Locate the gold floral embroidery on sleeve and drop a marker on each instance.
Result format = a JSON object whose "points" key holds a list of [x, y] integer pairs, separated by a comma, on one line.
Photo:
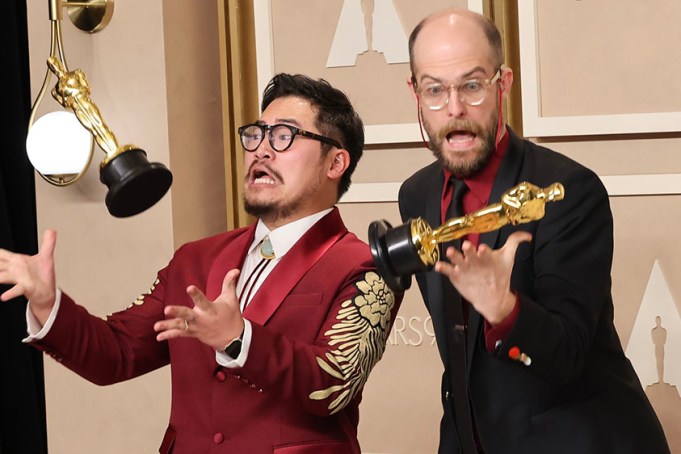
{"points": [[140, 299], [359, 339]]}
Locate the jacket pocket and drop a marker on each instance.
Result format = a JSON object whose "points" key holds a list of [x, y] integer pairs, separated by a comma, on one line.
{"points": [[318, 447]]}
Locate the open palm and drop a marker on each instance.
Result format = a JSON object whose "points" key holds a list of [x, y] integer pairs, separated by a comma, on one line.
{"points": [[32, 275]]}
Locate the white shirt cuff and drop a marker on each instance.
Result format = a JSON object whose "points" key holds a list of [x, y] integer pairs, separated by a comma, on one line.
{"points": [[33, 327], [227, 361]]}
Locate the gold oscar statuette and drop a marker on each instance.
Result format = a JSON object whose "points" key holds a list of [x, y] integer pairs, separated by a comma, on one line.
{"points": [[134, 183], [413, 247]]}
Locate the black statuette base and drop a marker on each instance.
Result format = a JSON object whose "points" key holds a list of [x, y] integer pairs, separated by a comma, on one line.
{"points": [[395, 255], [134, 183]]}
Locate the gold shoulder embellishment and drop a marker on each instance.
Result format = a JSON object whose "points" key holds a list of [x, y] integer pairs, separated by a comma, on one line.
{"points": [[140, 299], [359, 339]]}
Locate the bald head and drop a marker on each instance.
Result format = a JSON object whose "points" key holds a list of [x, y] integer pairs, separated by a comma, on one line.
{"points": [[455, 24]]}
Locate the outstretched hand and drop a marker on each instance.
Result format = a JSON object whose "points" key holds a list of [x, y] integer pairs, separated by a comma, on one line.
{"points": [[32, 275], [483, 276], [215, 323]]}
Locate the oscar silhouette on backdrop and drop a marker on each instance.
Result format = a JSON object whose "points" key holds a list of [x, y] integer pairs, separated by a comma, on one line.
{"points": [[665, 396], [382, 35], [659, 335]]}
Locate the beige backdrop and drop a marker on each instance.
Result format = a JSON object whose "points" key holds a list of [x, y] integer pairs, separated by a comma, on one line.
{"points": [[155, 76]]}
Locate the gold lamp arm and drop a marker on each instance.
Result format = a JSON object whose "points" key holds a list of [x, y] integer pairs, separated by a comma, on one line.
{"points": [[90, 16], [56, 52], [134, 184]]}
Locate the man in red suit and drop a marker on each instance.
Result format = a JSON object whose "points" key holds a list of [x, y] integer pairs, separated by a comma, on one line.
{"points": [[270, 330]]}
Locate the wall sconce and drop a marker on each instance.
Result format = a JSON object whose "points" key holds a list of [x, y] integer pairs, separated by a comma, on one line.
{"points": [[58, 146]]}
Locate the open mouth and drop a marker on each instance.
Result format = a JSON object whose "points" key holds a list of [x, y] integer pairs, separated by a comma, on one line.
{"points": [[460, 138], [263, 175]]}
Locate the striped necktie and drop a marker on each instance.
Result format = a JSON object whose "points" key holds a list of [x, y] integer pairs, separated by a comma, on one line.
{"points": [[266, 255]]}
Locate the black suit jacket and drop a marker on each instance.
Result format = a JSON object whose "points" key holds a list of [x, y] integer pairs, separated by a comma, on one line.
{"points": [[580, 394]]}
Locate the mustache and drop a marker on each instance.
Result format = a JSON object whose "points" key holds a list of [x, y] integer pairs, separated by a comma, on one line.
{"points": [[457, 125], [276, 175]]}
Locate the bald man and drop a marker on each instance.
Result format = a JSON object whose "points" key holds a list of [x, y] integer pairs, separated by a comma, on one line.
{"points": [[523, 315]]}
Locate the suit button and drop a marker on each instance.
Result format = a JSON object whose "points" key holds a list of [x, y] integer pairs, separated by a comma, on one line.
{"points": [[218, 438], [446, 395], [220, 376]]}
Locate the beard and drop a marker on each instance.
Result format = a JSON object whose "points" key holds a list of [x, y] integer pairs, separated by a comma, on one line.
{"points": [[270, 210], [482, 154], [274, 210]]}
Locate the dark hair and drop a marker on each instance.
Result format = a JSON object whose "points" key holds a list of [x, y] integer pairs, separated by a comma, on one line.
{"points": [[336, 118], [488, 27]]}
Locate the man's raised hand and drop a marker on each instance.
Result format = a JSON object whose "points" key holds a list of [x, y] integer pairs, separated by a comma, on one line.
{"points": [[32, 276]]}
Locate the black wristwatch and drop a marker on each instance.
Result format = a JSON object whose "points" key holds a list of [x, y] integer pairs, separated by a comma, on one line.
{"points": [[233, 349]]}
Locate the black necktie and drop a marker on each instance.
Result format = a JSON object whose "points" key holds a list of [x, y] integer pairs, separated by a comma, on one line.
{"points": [[456, 338]]}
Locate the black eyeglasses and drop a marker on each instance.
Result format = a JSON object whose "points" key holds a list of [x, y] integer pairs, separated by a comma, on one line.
{"points": [[280, 136]]}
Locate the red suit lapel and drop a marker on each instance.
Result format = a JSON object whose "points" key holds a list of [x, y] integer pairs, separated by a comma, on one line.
{"points": [[293, 266], [232, 256]]}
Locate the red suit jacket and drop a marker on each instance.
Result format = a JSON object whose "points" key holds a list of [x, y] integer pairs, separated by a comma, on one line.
{"points": [[319, 321]]}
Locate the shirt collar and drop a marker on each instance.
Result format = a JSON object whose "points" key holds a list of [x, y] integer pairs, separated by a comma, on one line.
{"points": [[284, 237], [480, 184]]}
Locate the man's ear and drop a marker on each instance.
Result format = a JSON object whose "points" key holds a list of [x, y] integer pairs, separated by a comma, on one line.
{"points": [[412, 89], [339, 164], [506, 81]]}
